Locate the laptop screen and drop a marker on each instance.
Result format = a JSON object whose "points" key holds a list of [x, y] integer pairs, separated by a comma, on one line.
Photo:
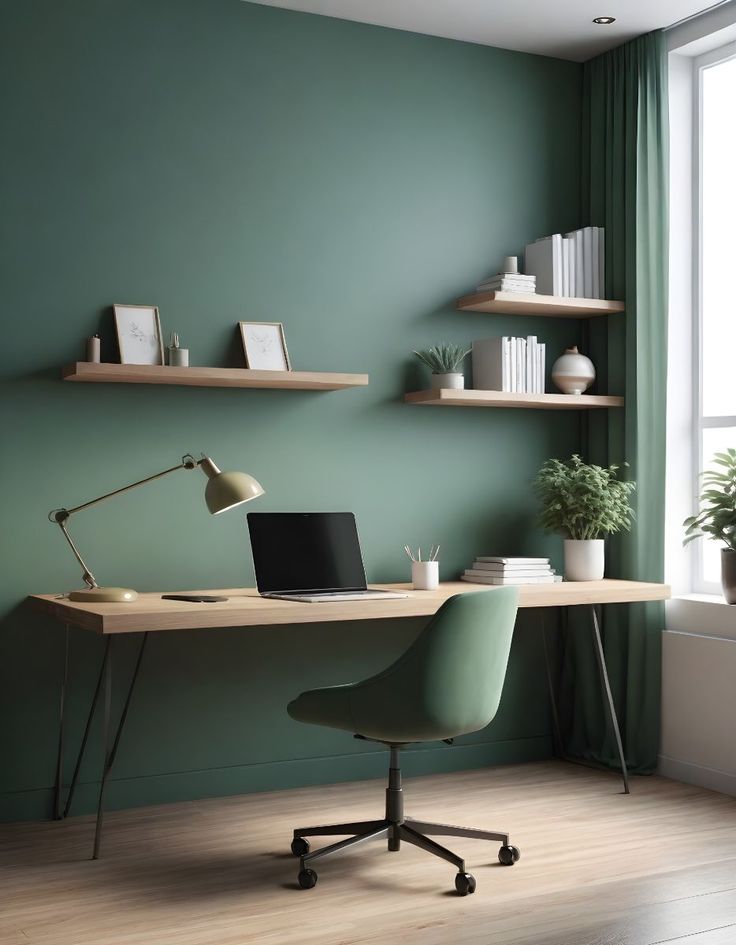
{"points": [[306, 551]]}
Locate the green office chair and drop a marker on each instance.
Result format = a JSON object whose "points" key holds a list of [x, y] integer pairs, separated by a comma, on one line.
{"points": [[448, 683]]}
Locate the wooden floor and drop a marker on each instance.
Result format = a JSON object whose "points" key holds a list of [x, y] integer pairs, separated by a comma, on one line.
{"points": [[597, 868]]}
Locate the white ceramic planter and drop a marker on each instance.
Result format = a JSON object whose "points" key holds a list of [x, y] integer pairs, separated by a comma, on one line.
{"points": [[445, 381], [585, 559], [425, 575]]}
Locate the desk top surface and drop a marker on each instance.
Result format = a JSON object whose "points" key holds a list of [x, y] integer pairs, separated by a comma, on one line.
{"points": [[244, 607]]}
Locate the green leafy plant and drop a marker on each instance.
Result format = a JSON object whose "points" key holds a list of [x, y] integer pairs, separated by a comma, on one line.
{"points": [[717, 516], [444, 359], [583, 501]]}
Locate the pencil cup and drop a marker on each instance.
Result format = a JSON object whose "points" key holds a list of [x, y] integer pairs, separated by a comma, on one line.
{"points": [[425, 575]]}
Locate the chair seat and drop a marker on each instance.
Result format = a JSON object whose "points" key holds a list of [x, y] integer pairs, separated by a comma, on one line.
{"points": [[329, 706]]}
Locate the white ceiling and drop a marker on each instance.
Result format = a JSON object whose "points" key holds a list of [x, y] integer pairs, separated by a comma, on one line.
{"points": [[560, 28]]}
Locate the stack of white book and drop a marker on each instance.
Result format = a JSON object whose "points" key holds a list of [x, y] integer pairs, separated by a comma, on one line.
{"points": [[509, 282], [572, 265], [509, 364], [510, 571]]}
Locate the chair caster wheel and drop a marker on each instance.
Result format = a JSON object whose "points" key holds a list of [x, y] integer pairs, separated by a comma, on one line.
{"points": [[299, 846], [465, 884], [307, 879], [508, 855]]}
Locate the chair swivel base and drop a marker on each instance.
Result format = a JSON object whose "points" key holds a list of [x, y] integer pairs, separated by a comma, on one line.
{"points": [[394, 827]]}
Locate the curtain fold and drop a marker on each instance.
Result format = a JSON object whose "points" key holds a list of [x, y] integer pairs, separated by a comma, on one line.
{"points": [[625, 189]]}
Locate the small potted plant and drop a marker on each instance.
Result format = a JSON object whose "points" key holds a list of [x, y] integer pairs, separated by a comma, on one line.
{"points": [[717, 516], [584, 503], [445, 363]]}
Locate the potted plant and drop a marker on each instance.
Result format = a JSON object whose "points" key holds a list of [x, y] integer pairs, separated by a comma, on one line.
{"points": [[583, 502], [717, 516], [445, 363]]}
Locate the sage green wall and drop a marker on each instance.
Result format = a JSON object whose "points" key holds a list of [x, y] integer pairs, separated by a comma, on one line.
{"points": [[226, 161]]}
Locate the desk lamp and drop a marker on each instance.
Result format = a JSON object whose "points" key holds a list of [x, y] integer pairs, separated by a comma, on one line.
{"points": [[224, 490]]}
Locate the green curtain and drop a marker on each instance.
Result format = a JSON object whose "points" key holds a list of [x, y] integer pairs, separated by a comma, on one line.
{"points": [[625, 189]]}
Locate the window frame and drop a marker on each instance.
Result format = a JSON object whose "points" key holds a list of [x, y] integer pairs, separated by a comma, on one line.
{"points": [[700, 421]]}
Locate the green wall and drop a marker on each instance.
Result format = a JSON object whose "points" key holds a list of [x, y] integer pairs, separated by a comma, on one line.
{"points": [[225, 161]]}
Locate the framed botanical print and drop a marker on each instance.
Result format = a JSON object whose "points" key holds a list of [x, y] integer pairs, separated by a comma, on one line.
{"points": [[264, 346], [138, 329]]}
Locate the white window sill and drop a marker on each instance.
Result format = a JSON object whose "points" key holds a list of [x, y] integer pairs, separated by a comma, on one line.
{"points": [[706, 615]]}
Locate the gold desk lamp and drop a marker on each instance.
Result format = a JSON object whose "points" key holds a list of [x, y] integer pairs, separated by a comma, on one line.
{"points": [[224, 490]]}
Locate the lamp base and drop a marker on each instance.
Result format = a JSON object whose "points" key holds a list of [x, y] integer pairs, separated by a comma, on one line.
{"points": [[112, 595]]}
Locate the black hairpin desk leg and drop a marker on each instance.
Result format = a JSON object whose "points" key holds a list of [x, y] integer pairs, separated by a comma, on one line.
{"points": [[608, 697], [112, 750]]}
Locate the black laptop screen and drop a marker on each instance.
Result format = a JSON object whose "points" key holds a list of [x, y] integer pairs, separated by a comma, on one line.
{"points": [[306, 551]]}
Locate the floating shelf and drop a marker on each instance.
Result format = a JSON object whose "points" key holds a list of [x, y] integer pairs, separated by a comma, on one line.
{"points": [[88, 372], [495, 398], [553, 306]]}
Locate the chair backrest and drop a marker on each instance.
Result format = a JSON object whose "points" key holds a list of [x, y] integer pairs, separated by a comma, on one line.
{"points": [[450, 679]]}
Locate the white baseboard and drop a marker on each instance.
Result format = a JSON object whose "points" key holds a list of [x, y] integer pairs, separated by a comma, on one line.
{"points": [[691, 773]]}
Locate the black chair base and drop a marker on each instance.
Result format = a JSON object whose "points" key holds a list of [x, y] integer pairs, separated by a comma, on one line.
{"points": [[394, 827]]}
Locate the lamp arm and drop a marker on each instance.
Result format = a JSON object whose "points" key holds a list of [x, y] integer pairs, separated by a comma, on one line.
{"points": [[62, 516]]}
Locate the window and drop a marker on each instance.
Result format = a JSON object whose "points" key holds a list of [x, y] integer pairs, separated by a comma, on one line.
{"points": [[714, 409]]}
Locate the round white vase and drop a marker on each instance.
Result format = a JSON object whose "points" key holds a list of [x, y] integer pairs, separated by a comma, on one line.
{"points": [[585, 559], [572, 372], [447, 381]]}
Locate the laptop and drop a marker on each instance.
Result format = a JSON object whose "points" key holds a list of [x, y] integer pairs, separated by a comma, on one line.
{"points": [[309, 556]]}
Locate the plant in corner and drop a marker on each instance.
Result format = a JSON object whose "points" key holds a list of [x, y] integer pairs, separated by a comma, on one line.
{"points": [[445, 362], [584, 503], [716, 518]]}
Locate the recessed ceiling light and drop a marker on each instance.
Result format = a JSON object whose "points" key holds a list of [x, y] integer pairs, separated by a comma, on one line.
{"points": [[604, 20]]}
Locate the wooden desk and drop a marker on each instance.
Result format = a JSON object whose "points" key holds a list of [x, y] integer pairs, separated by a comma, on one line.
{"points": [[244, 608]]}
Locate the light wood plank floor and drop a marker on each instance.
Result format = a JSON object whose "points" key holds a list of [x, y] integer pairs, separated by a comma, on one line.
{"points": [[597, 868]]}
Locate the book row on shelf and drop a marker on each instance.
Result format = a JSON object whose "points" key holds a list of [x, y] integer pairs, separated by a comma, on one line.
{"points": [[572, 266], [509, 364], [513, 571]]}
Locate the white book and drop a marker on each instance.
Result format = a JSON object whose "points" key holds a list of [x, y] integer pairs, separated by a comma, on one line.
{"points": [[587, 262], [531, 342], [503, 560], [510, 568], [542, 368], [478, 578], [557, 256], [602, 261], [507, 364], [578, 282], [490, 364], [512, 361], [596, 263], [566, 267], [542, 259], [517, 572], [521, 365]]}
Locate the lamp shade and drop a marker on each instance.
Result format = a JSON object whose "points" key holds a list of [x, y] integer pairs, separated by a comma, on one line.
{"points": [[225, 490]]}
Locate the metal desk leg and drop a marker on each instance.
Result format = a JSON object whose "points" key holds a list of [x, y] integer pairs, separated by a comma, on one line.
{"points": [[87, 727], [111, 751], [58, 784], [608, 696], [557, 737]]}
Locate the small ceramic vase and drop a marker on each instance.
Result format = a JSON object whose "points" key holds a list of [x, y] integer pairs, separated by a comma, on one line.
{"points": [[572, 372]]}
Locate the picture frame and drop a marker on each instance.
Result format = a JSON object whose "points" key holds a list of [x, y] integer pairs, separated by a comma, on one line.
{"points": [[264, 346], [138, 329]]}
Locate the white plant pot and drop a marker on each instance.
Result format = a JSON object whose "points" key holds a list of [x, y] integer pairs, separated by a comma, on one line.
{"points": [[447, 381], [585, 559]]}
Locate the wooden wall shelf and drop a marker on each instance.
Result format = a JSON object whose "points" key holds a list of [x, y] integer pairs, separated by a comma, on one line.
{"points": [[553, 306], [495, 398], [87, 372]]}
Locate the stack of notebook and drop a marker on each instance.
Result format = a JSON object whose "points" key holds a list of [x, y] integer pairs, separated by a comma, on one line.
{"points": [[510, 571]]}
